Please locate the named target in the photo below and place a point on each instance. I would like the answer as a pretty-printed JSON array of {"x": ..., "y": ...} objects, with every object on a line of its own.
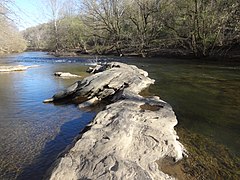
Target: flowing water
[
  {"x": 205, "y": 97},
  {"x": 33, "y": 133}
]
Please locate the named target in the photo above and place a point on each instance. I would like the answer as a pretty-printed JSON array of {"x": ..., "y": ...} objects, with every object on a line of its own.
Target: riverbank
[
  {"x": 227, "y": 55},
  {"x": 7, "y": 51}
]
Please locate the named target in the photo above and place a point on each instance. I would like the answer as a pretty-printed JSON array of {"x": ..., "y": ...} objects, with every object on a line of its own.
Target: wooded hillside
[{"x": 200, "y": 28}]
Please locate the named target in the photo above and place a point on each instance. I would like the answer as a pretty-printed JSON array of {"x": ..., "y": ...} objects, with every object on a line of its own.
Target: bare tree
[
  {"x": 205, "y": 27},
  {"x": 54, "y": 8},
  {"x": 105, "y": 17},
  {"x": 145, "y": 27},
  {"x": 145, "y": 18}
]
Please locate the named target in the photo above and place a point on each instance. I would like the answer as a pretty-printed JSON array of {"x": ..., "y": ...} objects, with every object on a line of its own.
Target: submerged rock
[
  {"x": 65, "y": 75},
  {"x": 14, "y": 68},
  {"x": 124, "y": 140}
]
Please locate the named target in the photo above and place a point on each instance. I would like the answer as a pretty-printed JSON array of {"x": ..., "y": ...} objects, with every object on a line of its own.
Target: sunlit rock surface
[
  {"x": 65, "y": 75},
  {"x": 110, "y": 83},
  {"x": 124, "y": 140},
  {"x": 14, "y": 68}
]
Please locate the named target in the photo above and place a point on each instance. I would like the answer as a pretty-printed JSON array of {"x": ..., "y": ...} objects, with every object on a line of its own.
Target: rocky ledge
[{"x": 125, "y": 140}]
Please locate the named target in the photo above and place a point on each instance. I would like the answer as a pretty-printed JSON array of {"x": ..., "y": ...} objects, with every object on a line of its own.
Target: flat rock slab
[
  {"x": 124, "y": 140},
  {"x": 14, "y": 68},
  {"x": 65, "y": 75}
]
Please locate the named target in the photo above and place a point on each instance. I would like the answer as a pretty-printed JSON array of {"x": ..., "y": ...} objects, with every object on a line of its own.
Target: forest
[{"x": 196, "y": 28}]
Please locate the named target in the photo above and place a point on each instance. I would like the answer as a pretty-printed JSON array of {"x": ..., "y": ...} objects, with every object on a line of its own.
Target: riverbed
[{"x": 204, "y": 96}]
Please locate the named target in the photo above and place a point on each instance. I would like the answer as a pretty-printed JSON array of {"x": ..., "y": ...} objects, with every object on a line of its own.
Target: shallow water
[
  {"x": 33, "y": 132},
  {"x": 205, "y": 97}
]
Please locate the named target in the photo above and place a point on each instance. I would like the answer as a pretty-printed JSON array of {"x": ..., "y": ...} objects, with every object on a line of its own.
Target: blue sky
[{"x": 29, "y": 13}]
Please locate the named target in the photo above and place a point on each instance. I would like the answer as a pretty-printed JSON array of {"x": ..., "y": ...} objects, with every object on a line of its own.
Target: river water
[{"x": 205, "y": 97}]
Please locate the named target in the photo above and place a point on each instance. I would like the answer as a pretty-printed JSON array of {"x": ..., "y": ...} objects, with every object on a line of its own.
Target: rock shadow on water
[{"x": 67, "y": 135}]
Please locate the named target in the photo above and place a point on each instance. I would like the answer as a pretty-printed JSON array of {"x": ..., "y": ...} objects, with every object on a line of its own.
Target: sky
[{"x": 29, "y": 13}]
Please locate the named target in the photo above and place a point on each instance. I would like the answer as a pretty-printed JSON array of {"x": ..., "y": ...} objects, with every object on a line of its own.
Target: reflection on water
[{"x": 205, "y": 97}]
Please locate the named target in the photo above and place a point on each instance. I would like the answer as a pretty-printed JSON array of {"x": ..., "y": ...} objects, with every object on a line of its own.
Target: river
[{"x": 205, "y": 97}]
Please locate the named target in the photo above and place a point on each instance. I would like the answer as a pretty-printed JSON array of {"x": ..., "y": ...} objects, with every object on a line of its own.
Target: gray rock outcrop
[
  {"x": 124, "y": 140},
  {"x": 114, "y": 78}
]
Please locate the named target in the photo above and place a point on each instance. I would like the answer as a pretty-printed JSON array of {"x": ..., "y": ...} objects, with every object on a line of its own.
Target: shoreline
[
  {"x": 233, "y": 56},
  {"x": 233, "y": 59}
]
